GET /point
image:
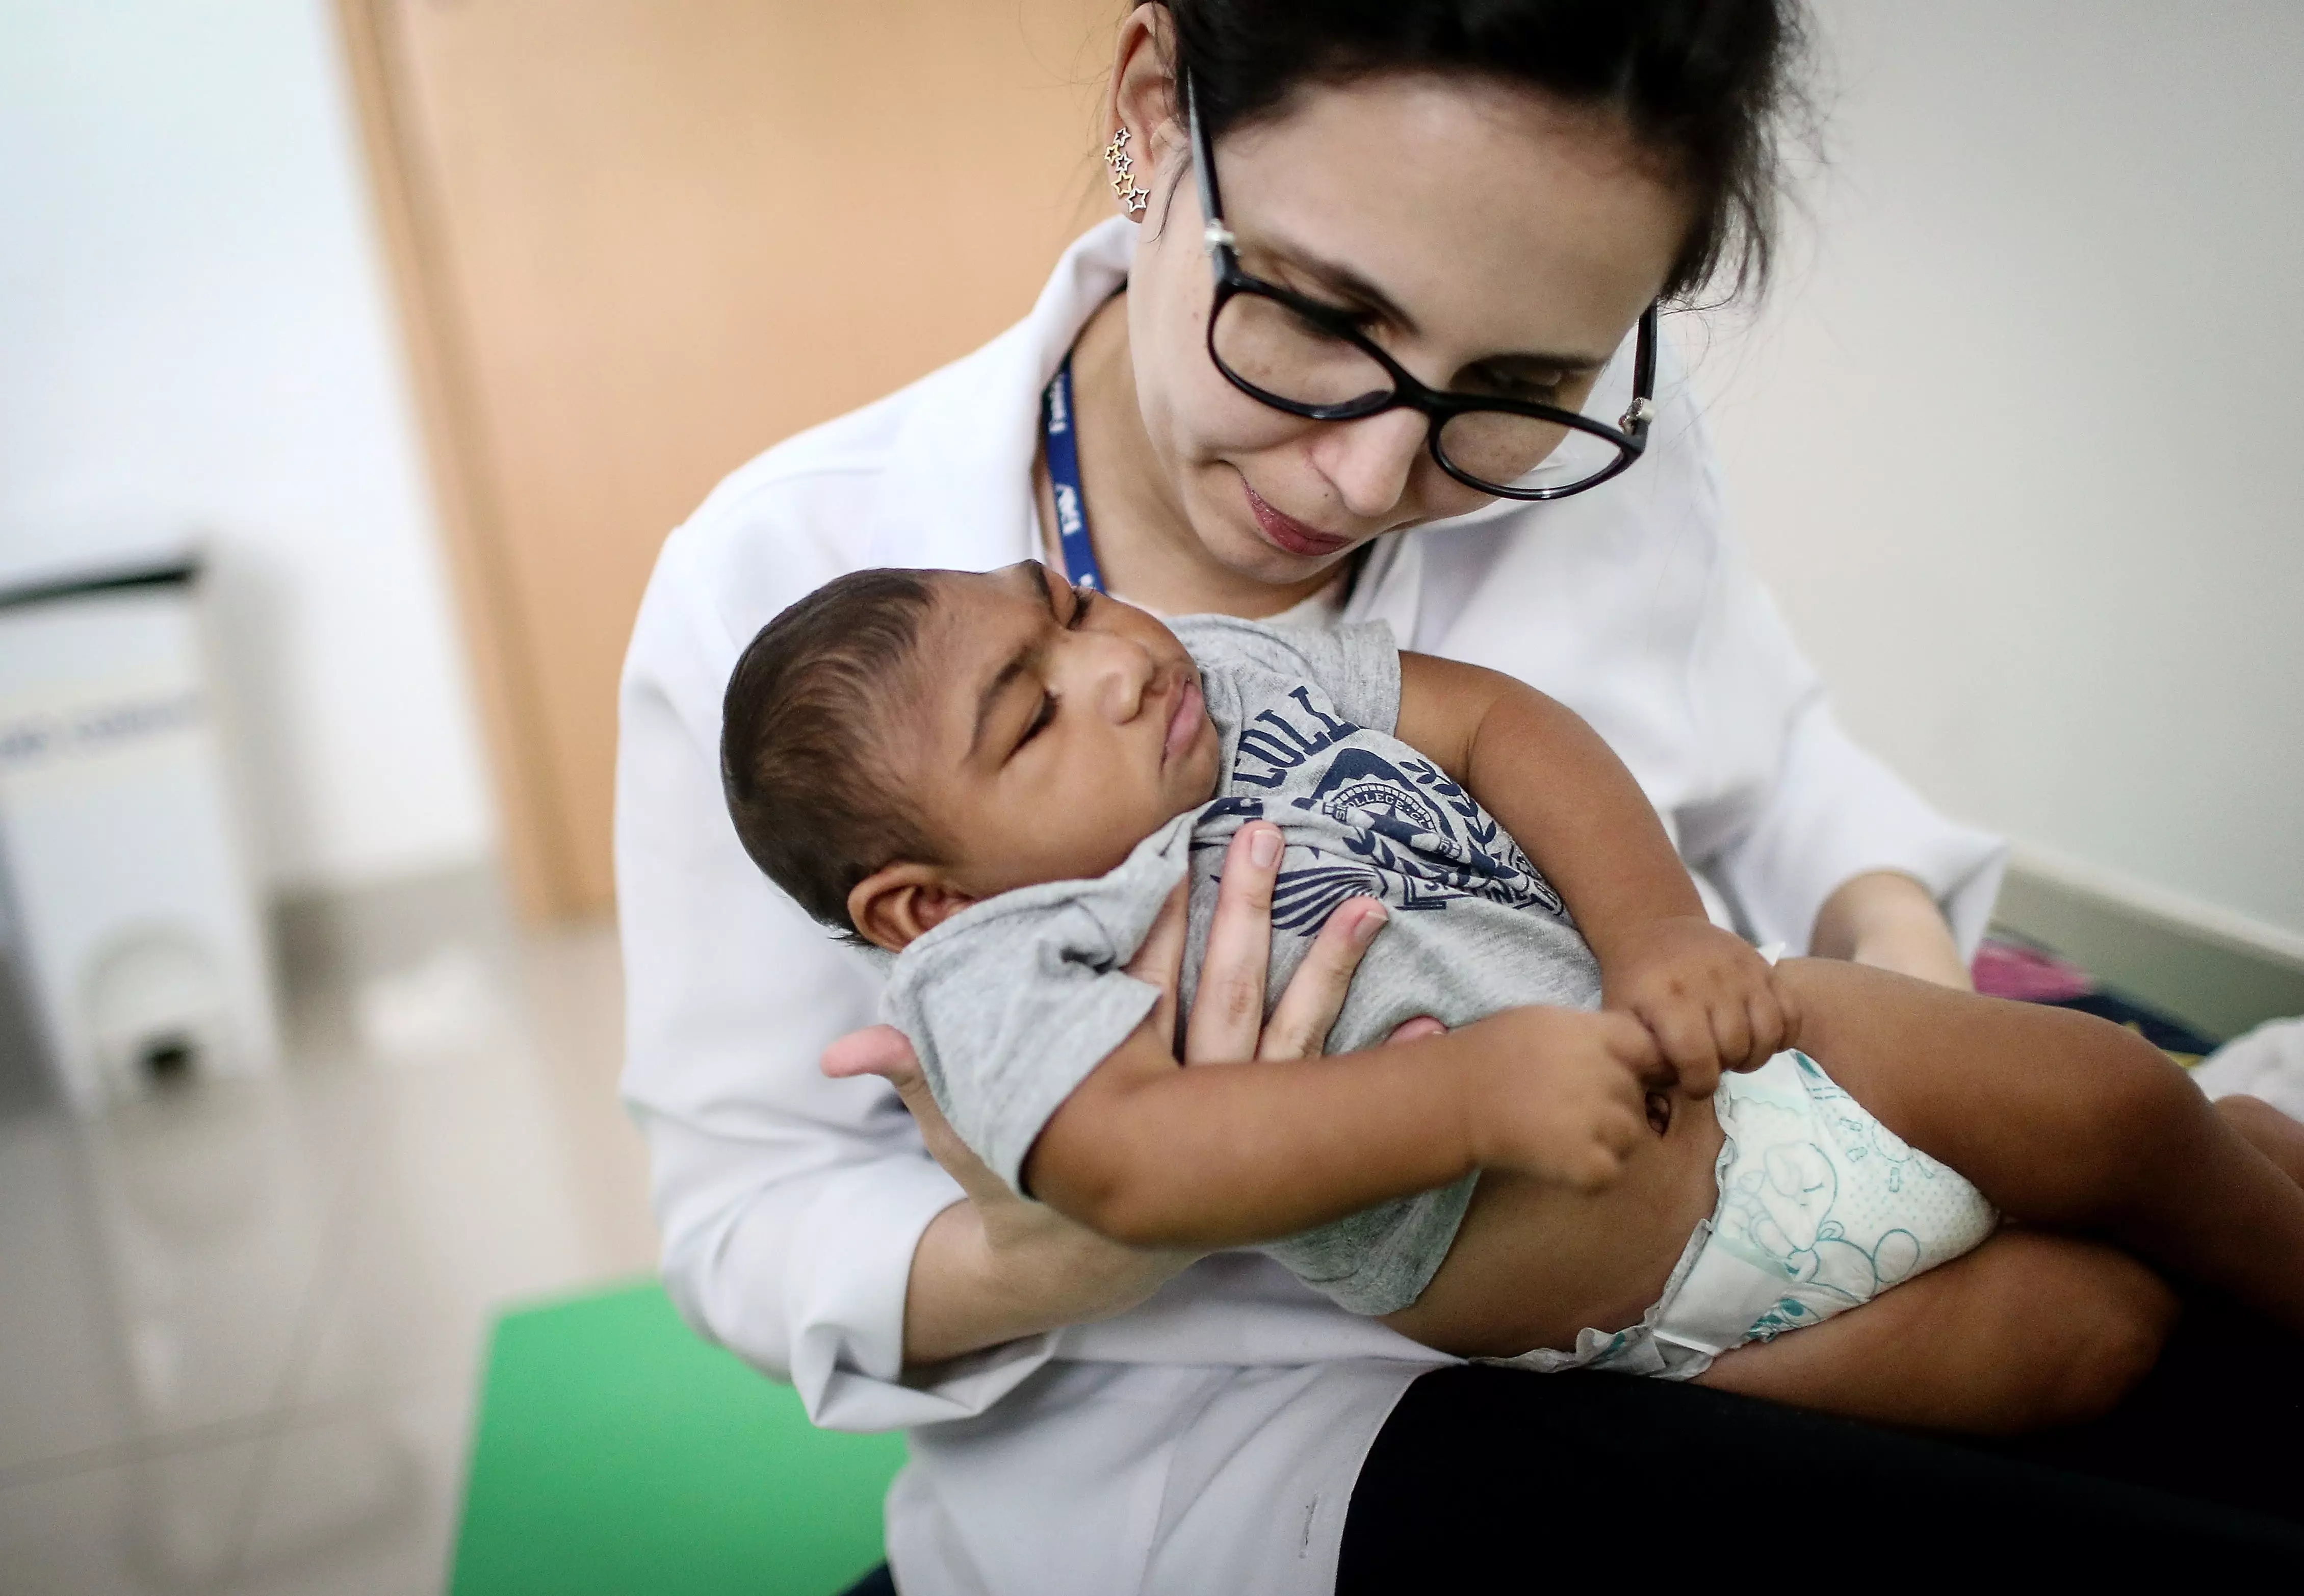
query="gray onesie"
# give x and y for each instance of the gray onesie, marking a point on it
(1011, 1003)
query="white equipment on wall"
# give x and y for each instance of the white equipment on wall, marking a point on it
(134, 919)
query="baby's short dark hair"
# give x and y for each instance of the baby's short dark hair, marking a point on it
(805, 750)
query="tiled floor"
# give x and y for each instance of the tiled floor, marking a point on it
(241, 1323)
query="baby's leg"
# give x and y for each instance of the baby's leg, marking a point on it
(2030, 1329)
(2063, 1120)
(2267, 1130)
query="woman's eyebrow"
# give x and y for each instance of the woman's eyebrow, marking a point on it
(1564, 365)
(1344, 281)
(1347, 282)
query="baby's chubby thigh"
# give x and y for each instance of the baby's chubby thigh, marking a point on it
(1535, 1263)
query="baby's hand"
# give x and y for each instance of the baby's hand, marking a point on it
(1711, 1002)
(1563, 1093)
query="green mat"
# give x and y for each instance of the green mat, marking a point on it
(618, 1452)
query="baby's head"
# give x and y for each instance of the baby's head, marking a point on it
(900, 743)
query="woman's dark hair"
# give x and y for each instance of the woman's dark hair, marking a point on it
(1702, 83)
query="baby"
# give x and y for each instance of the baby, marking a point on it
(1002, 780)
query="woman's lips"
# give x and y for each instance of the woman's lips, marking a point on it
(1289, 532)
(1184, 721)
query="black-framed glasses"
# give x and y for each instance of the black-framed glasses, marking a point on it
(1298, 355)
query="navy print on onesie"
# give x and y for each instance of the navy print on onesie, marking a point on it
(1307, 718)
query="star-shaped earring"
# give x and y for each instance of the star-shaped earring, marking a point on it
(1123, 174)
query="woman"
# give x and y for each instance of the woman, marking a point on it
(1492, 196)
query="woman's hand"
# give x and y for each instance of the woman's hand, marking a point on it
(1889, 921)
(1227, 1023)
(995, 1266)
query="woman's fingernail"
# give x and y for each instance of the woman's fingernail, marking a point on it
(1370, 923)
(1264, 849)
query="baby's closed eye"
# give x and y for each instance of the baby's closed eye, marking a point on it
(1041, 719)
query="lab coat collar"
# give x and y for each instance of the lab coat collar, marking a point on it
(960, 478)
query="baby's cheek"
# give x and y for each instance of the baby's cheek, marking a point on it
(1085, 835)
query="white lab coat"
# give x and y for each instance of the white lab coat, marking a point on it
(1209, 1440)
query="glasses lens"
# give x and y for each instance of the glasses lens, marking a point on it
(1275, 350)
(1525, 455)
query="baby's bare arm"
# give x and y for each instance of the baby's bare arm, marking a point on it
(1561, 792)
(1575, 810)
(1152, 1154)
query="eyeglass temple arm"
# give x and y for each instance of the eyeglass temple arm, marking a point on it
(1204, 167)
(1642, 409)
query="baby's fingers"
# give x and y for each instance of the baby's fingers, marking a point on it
(1628, 1041)
(1683, 1034)
(1611, 1135)
(1765, 1015)
(1788, 1007)
(1733, 1031)
(1301, 1022)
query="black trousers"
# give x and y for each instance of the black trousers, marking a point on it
(1484, 1478)
(1495, 1479)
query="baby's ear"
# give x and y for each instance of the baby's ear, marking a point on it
(898, 903)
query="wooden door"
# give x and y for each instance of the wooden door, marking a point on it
(637, 241)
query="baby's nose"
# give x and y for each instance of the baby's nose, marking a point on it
(1124, 673)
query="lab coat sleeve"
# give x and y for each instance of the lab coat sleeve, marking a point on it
(1836, 812)
(790, 1204)
(1800, 808)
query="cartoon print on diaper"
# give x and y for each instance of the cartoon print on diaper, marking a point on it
(1416, 839)
(1783, 1210)
(1836, 1220)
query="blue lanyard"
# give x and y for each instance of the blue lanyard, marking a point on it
(1063, 441)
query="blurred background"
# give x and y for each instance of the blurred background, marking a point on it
(355, 358)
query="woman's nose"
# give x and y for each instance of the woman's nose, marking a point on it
(1369, 460)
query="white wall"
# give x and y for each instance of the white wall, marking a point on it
(2018, 443)
(195, 333)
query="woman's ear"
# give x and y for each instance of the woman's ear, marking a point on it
(1143, 95)
(896, 905)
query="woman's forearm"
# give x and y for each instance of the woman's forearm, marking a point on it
(953, 1302)
(968, 1291)
(1891, 922)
